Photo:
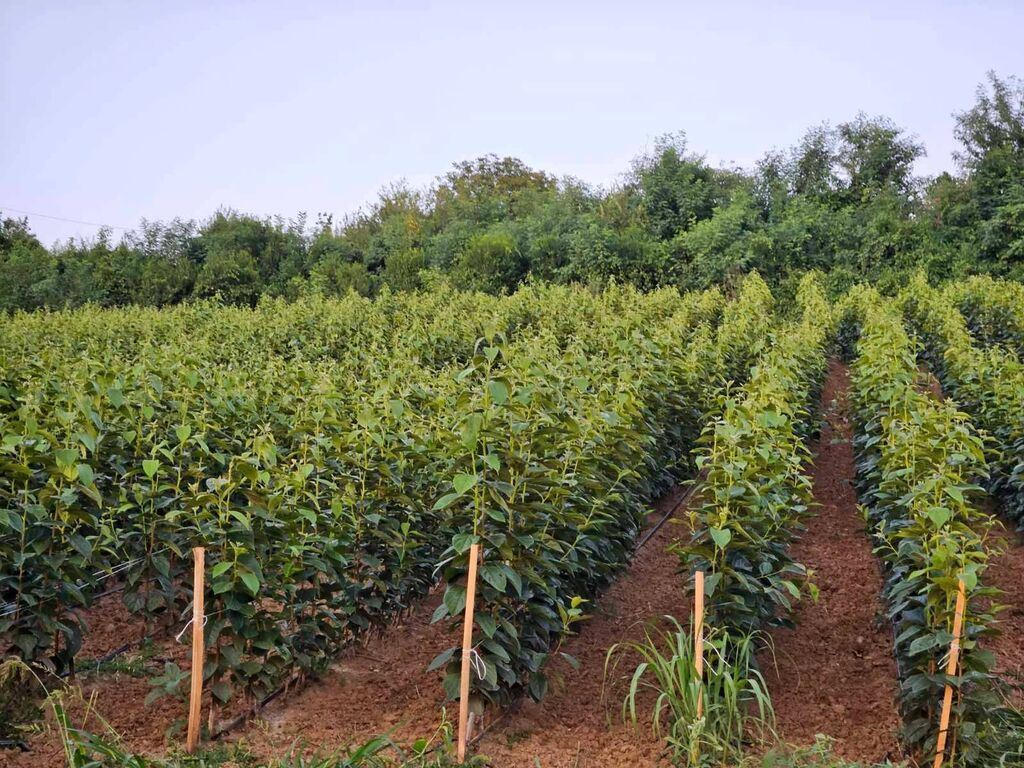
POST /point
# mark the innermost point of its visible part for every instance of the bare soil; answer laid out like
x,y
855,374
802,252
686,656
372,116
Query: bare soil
x,y
834,672
112,702
1006,572
383,687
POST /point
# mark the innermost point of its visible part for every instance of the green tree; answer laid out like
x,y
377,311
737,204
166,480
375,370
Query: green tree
x,y
336,276
232,275
677,189
876,156
26,267
491,262
402,270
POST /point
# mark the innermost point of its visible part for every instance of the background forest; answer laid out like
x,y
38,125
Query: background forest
x,y
844,200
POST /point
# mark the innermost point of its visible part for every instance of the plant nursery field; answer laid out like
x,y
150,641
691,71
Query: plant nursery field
x,y
840,481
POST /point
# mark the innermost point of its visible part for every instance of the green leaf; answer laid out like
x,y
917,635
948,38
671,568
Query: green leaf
x,y
955,493
221,691
471,430
498,390
487,624
251,581
66,457
721,536
455,599
441,659
150,467
495,576
85,475
445,501
464,482
938,515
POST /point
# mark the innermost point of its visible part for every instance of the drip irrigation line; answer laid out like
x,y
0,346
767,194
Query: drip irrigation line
x,y
104,658
675,508
648,535
298,678
132,645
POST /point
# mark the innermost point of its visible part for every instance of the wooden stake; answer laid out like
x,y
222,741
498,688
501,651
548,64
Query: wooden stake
x,y
467,650
951,668
198,651
698,637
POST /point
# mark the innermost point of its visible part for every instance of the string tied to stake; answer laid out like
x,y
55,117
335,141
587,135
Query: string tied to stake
x,y
206,618
476,661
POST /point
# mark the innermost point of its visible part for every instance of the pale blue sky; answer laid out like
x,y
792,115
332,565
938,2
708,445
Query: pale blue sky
x,y
113,111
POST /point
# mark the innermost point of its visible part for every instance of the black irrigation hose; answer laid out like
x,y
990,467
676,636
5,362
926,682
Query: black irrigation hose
x,y
102,659
675,508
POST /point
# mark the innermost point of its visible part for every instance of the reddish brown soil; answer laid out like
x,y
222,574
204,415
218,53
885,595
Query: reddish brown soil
x,y
384,687
109,626
928,383
119,701
835,672
1006,572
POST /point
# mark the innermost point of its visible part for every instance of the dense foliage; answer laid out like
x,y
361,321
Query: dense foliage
x,y
993,310
330,454
580,485
843,200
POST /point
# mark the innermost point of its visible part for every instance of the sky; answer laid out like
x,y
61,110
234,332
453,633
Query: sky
x,y
111,112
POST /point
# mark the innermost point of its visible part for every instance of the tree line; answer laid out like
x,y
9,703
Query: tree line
x,y
843,200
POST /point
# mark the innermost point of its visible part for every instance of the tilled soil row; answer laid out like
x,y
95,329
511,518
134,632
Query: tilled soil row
x,y
386,687
834,673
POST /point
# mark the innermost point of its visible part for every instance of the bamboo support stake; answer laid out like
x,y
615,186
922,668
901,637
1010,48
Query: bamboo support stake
x,y
198,613
698,637
467,650
951,668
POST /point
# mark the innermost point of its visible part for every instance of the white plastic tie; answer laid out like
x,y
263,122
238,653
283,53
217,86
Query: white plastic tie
x,y
477,662
188,624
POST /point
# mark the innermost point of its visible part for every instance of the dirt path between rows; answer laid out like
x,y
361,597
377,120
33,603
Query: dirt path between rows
x,y
835,672
382,687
